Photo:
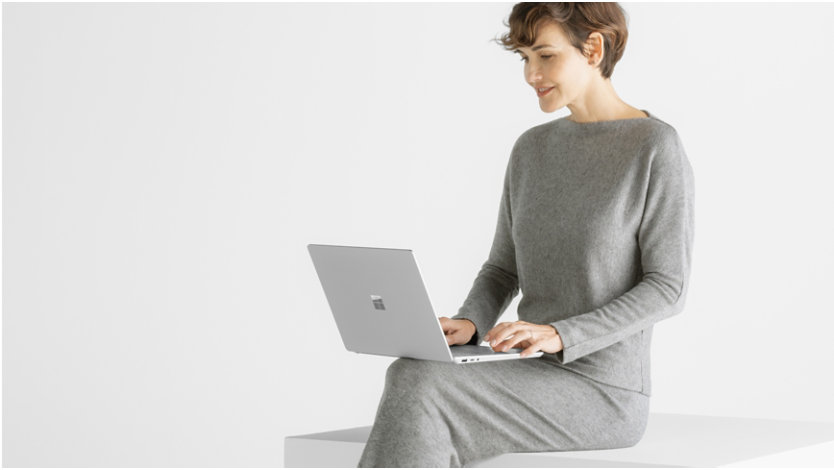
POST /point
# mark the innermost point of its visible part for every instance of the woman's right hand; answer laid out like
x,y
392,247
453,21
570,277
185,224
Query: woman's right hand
x,y
457,331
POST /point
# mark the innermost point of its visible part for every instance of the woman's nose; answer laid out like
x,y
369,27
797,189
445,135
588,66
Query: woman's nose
x,y
533,75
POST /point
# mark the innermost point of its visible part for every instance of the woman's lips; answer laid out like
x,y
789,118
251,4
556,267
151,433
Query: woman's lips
x,y
542,93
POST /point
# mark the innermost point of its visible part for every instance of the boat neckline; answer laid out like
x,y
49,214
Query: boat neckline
x,y
612,121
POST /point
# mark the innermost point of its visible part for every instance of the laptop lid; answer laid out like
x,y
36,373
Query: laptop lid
x,y
379,301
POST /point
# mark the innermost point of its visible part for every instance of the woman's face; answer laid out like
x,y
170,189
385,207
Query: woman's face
x,y
552,62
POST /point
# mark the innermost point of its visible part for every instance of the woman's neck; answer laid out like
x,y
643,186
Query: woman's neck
x,y
601,103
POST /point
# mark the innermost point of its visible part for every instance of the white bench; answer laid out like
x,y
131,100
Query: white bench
x,y
671,440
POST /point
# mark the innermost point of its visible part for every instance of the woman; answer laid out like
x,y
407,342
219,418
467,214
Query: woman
x,y
595,226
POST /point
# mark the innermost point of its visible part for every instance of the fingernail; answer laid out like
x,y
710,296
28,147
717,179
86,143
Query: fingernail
x,y
486,338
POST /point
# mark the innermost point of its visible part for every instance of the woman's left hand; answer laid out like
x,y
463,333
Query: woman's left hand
x,y
530,336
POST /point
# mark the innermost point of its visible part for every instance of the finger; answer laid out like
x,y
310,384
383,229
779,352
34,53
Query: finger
x,y
498,333
453,337
491,333
448,326
501,333
531,349
524,344
510,336
519,337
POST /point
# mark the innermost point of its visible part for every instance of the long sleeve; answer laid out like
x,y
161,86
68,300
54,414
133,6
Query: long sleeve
x,y
665,239
497,281
595,228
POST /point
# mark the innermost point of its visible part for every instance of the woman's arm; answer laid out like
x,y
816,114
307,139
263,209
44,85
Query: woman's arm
x,y
496,284
665,238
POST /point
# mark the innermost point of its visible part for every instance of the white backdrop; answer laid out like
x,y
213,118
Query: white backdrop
x,y
165,166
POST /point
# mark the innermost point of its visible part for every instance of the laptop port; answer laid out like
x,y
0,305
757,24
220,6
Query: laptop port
x,y
463,360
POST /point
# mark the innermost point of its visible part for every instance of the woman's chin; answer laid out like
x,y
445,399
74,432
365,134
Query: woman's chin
x,y
549,107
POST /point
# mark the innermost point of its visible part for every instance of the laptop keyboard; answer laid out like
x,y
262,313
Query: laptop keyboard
x,y
472,350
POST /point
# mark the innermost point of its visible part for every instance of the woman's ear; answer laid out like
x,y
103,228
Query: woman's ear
x,y
594,48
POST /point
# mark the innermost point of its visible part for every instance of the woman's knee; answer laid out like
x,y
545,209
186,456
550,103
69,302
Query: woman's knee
x,y
633,428
412,374
404,368
638,430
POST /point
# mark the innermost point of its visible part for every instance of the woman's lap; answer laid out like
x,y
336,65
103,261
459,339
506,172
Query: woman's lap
x,y
445,414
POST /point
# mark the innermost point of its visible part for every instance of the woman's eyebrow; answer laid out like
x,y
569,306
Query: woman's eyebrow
x,y
535,48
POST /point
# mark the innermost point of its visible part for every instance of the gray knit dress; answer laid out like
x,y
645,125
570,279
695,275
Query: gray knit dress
x,y
595,229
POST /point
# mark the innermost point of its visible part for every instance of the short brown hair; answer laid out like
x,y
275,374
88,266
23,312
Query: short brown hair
x,y
578,19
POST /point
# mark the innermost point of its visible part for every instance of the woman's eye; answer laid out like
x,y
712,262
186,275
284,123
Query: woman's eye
x,y
524,59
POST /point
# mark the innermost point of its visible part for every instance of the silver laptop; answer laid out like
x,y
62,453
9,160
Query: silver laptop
x,y
381,306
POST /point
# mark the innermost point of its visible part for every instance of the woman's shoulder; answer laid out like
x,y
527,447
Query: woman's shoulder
x,y
660,129
649,134
536,136
664,146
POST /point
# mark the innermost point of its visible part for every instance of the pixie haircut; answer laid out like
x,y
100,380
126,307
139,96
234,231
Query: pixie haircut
x,y
578,19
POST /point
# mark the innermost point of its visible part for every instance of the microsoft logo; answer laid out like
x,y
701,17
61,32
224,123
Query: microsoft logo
x,y
377,300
